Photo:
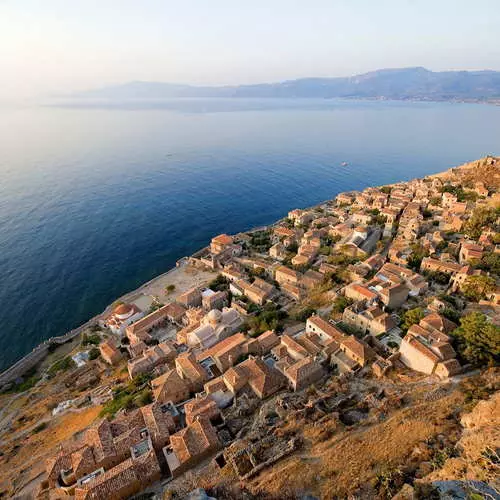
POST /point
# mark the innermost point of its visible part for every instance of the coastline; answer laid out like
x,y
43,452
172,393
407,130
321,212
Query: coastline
x,y
40,352
33,358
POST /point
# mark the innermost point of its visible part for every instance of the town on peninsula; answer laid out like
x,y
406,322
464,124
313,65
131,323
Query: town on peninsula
x,y
349,350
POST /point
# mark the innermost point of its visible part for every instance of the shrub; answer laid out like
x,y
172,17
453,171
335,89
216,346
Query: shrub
x,y
451,314
40,427
490,262
418,252
30,379
94,353
61,365
437,277
133,395
260,241
219,284
269,318
93,339
481,217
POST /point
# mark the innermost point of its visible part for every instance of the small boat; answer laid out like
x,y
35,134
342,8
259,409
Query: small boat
x,y
344,164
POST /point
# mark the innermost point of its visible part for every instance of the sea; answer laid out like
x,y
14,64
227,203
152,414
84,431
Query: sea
x,y
97,198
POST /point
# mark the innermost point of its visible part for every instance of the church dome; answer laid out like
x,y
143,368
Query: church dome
x,y
214,316
123,310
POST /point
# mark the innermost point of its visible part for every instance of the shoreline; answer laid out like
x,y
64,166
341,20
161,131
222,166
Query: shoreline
x,y
33,358
39,352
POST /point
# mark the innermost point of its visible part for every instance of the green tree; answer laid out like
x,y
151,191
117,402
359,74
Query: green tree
x,y
411,317
481,217
378,220
490,262
304,313
478,340
478,287
418,252
340,303
93,339
438,277
61,365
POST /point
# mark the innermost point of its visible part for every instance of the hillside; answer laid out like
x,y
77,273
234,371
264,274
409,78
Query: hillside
x,y
400,84
315,392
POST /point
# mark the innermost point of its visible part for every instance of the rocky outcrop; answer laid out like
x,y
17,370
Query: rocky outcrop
x,y
478,448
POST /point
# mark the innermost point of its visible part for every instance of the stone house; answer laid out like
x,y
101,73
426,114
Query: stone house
x,y
368,319
190,298
109,352
152,357
255,375
426,347
284,275
469,252
325,331
191,371
170,387
191,445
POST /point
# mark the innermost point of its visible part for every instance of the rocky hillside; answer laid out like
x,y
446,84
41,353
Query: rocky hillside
x,y
405,437
486,170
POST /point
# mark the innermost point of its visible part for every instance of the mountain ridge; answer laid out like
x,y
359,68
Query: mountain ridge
x,y
414,83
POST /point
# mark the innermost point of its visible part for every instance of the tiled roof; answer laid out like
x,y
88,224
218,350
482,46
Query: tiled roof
x,y
190,367
359,348
223,346
267,340
438,322
167,384
287,270
222,239
330,330
200,406
362,290
194,440
417,344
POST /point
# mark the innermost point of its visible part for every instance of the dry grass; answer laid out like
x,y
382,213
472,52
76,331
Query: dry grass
x,y
25,458
351,459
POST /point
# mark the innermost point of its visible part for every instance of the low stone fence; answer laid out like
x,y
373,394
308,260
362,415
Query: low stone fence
x,y
39,353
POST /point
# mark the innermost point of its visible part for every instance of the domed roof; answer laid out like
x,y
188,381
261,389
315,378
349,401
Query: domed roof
x,y
214,315
122,309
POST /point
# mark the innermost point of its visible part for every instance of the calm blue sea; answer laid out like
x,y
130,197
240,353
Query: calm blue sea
x,y
95,201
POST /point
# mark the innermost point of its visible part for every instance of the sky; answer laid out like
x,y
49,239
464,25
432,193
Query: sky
x,y
52,47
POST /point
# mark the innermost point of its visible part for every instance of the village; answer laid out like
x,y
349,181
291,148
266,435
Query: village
x,y
365,285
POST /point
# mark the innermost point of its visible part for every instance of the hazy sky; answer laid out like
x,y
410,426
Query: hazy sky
x,y
53,46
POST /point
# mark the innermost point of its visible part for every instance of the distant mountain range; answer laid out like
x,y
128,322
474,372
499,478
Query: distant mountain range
x,y
400,84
